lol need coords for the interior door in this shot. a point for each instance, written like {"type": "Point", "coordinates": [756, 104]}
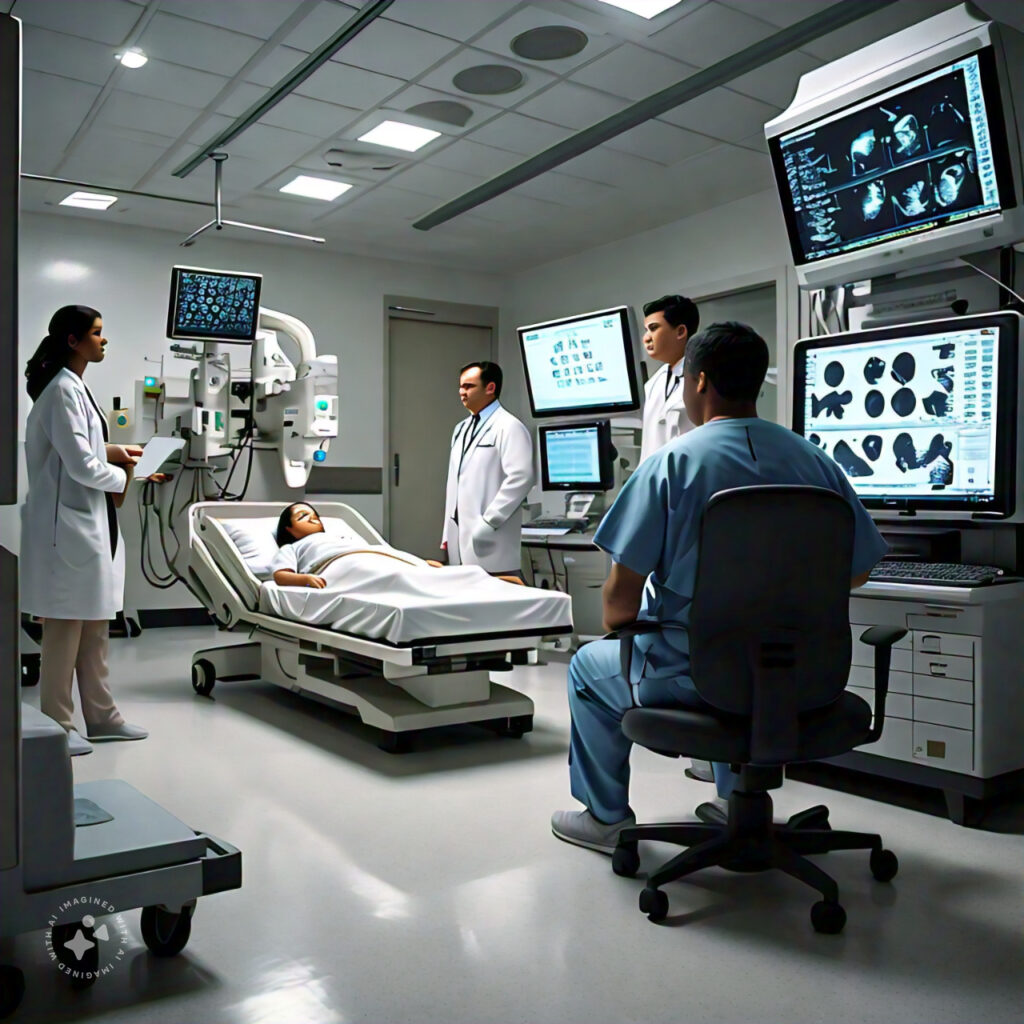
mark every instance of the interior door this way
{"type": "Point", "coordinates": [424, 363]}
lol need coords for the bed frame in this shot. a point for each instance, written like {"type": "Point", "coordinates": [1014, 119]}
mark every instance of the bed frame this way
{"type": "Point", "coordinates": [400, 689]}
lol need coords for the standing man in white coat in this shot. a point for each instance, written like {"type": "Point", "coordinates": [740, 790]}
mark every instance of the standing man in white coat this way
{"type": "Point", "coordinates": [669, 322]}
{"type": "Point", "coordinates": [72, 554]}
{"type": "Point", "coordinates": [490, 472]}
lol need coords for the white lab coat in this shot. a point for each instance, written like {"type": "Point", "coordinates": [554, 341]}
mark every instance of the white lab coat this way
{"type": "Point", "coordinates": [67, 571]}
{"type": "Point", "coordinates": [664, 418]}
{"type": "Point", "coordinates": [497, 473]}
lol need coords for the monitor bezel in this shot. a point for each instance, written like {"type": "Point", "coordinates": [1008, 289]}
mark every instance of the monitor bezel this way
{"type": "Point", "coordinates": [998, 133]}
{"type": "Point", "coordinates": [234, 339]}
{"type": "Point", "coordinates": [627, 334]}
{"type": "Point", "coordinates": [605, 457]}
{"type": "Point", "coordinates": [1004, 503]}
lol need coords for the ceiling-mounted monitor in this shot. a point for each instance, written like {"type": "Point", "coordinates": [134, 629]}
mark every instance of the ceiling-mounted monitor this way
{"type": "Point", "coordinates": [902, 153]}
{"type": "Point", "coordinates": [582, 365]}
{"type": "Point", "coordinates": [213, 305]}
{"type": "Point", "coordinates": [924, 419]}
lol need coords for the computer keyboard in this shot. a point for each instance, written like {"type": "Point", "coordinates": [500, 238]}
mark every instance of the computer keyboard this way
{"type": "Point", "coordinates": [937, 574]}
{"type": "Point", "coordinates": [557, 523]}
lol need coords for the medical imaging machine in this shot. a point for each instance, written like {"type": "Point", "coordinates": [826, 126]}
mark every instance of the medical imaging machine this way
{"type": "Point", "coordinates": [72, 855]}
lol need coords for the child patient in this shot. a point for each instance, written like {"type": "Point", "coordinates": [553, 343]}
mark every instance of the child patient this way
{"type": "Point", "coordinates": [306, 550]}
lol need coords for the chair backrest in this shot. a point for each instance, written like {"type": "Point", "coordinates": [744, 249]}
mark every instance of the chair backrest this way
{"type": "Point", "coordinates": [770, 624]}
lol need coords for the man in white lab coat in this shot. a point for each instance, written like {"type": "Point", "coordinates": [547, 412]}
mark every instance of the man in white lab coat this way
{"type": "Point", "coordinates": [490, 472]}
{"type": "Point", "coordinates": [669, 322]}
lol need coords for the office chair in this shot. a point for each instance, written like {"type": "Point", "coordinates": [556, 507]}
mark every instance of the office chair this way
{"type": "Point", "coordinates": [770, 650]}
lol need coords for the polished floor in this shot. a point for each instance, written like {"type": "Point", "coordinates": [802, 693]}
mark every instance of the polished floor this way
{"type": "Point", "coordinates": [427, 887]}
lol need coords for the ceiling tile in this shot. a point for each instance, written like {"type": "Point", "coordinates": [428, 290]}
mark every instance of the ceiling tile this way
{"type": "Point", "coordinates": [61, 105]}
{"type": "Point", "coordinates": [187, 86]}
{"type": "Point", "coordinates": [781, 13]}
{"type": "Point", "coordinates": [386, 201]}
{"type": "Point", "coordinates": [518, 210]}
{"type": "Point", "coordinates": [612, 168]}
{"type": "Point", "coordinates": [91, 159]}
{"type": "Point", "coordinates": [498, 40]}
{"type": "Point", "coordinates": [195, 45]}
{"type": "Point", "coordinates": [441, 77]}
{"type": "Point", "coordinates": [776, 82]}
{"type": "Point", "coordinates": [300, 114]}
{"type": "Point", "coordinates": [438, 182]}
{"type": "Point", "coordinates": [712, 33]}
{"type": "Point", "coordinates": [243, 95]}
{"type": "Point", "coordinates": [722, 114]}
{"type": "Point", "coordinates": [455, 19]}
{"type": "Point", "coordinates": [323, 21]}
{"type": "Point", "coordinates": [58, 54]}
{"type": "Point", "coordinates": [572, 106]}
{"type": "Point", "coordinates": [633, 72]}
{"type": "Point", "coordinates": [474, 158]}
{"type": "Point", "coordinates": [261, 18]}
{"type": "Point", "coordinates": [103, 21]}
{"type": "Point", "coordinates": [664, 143]}
{"type": "Point", "coordinates": [273, 146]}
{"type": "Point", "coordinates": [275, 65]}
{"type": "Point", "coordinates": [566, 191]}
{"type": "Point", "coordinates": [123, 110]}
{"type": "Point", "coordinates": [525, 135]}
{"type": "Point", "coordinates": [351, 87]}
{"type": "Point", "coordinates": [385, 46]}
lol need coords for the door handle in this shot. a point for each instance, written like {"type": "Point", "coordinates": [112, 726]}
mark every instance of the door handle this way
{"type": "Point", "coordinates": [396, 469]}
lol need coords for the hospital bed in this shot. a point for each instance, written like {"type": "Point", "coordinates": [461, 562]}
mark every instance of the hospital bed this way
{"type": "Point", "coordinates": [401, 663]}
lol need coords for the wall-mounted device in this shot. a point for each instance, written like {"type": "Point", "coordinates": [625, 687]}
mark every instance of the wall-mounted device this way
{"type": "Point", "coordinates": [577, 457]}
{"type": "Point", "coordinates": [582, 365]}
{"type": "Point", "coordinates": [213, 305]}
{"type": "Point", "coordinates": [923, 418]}
{"type": "Point", "coordinates": [903, 152]}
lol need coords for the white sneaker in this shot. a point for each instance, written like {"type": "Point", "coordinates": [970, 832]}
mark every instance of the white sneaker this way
{"type": "Point", "coordinates": [581, 828]}
{"type": "Point", "coordinates": [78, 744]}
{"type": "Point", "coordinates": [124, 731]}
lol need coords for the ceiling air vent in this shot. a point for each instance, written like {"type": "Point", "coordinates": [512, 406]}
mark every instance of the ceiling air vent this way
{"type": "Point", "coordinates": [351, 159]}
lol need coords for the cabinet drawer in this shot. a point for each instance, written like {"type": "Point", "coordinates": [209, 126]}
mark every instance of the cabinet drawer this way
{"type": "Point", "coordinates": [897, 705]}
{"type": "Point", "coordinates": [947, 619]}
{"type": "Point", "coordinates": [899, 682]}
{"type": "Point", "coordinates": [944, 712]}
{"type": "Point", "coordinates": [943, 747]}
{"type": "Point", "coordinates": [943, 643]}
{"type": "Point", "coordinates": [960, 690]}
{"type": "Point", "coordinates": [896, 740]}
{"type": "Point", "coordinates": [864, 654]}
{"type": "Point", "coordinates": [944, 666]}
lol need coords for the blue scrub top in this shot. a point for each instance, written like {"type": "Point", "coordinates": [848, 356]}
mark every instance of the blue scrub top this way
{"type": "Point", "coordinates": [653, 527]}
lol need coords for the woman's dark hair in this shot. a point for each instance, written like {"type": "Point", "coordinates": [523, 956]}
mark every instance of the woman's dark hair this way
{"type": "Point", "coordinates": [283, 535]}
{"type": "Point", "coordinates": [53, 352]}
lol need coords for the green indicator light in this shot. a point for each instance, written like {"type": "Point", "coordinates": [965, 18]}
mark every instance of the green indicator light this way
{"type": "Point", "coordinates": [322, 405]}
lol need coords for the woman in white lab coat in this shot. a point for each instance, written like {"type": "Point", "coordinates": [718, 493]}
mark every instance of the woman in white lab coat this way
{"type": "Point", "coordinates": [72, 555]}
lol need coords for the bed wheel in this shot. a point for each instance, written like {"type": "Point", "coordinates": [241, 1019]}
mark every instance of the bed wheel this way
{"type": "Point", "coordinates": [395, 742]}
{"type": "Point", "coordinates": [514, 727]}
{"type": "Point", "coordinates": [204, 676]}
{"type": "Point", "coordinates": [164, 932]}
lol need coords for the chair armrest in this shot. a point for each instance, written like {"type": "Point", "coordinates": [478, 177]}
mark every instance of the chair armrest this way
{"type": "Point", "coordinates": [624, 634]}
{"type": "Point", "coordinates": [881, 638]}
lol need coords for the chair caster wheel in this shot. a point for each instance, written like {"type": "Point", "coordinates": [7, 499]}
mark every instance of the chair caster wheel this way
{"type": "Point", "coordinates": [828, 918]}
{"type": "Point", "coordinates": [626, 860]}
{"type": "Point", "coordinates": [654, 903]}
{"type": "Point", "coordinates": [884, 865]}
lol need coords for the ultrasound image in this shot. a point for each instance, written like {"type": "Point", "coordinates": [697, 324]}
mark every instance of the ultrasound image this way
{"type": "Point", "coordinates": [874, 404]}
{"type": "Point", "coordinates": [816, 439]}
{"type": "Point", "coordinates": [873, 370]}
{"type": "Point", "coordinates": [904, 368]}
{"type": "Point", "coordinates": [851, 462]}
{"type": "Point", "coordinates": [936, 404]}
{"type": "Point", "coordinates": [834, 374]}
{"type": "Point", "coordinates": [872, 445]}
{"type": "Point", "coordinates": [832, 403]}
{"type": "Point", "coordinates": [904, 402]}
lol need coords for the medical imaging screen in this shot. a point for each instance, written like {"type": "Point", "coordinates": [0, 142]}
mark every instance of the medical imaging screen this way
{"type": "Point", "coordinates": [908, 416]}
{"type": "Point", "coordinates": [580, 364]}
{"type": "Point", "coordinates": [214, 305]}
{"type": "Point", "coordinates": [571, 456]}
{"type": "Point", "coordinates": [914, 159]}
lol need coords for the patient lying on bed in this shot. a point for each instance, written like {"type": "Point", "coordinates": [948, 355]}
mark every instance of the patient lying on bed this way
{"type": "Point", "coordinates": [310, 557]}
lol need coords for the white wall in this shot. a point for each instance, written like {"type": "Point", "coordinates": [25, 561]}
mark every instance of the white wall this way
{"type": "Point", "coordinates": [124, 272]}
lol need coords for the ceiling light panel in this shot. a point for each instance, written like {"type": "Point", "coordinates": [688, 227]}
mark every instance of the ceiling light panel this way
{"type": "Point", "coordinates": [315, 188]}
{"type": "Point", "coordinates": [132, 58]}
{"type": "Point", "coordinates": [89, 200]}
{"type": "Point", "coordinates": [396, 135]}
{"type": "Point", "coordinates": [645, 8]}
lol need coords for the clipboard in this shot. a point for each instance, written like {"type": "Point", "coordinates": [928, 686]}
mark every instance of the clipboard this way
{"type": "Point", "coordinates": [155, 453]}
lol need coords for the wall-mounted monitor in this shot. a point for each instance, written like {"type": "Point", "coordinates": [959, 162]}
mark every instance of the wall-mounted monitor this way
{"type": "Point", "coordinates": [583, 365]}
{"type": "Point", "coordinates": [923, 418]}
{"type": "Point", "coordinates": [577, 457]}
{"type": "Point", "coordinates": [902, 152]}
{"type": "Point", "coordinates": [213, 305]}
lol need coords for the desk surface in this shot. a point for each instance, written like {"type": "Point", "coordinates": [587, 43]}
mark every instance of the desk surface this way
{"type": "Point", "coordinates": [943, 595]}
{"type": "Point", "coordinates": [561, 541]}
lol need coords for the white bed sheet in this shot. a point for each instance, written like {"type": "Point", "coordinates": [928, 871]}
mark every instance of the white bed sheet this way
{"type": "Point", "coordinates": [373, 597]}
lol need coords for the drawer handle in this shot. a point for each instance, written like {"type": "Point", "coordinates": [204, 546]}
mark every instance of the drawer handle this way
{"type": "Point", "coordinates": [937, 668]}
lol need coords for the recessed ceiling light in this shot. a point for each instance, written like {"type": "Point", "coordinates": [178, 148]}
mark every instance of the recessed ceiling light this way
{"type": "Point", "coordinates": [645, 8]}
{"type": "Point", "coordinates": [315, 188]}
{"type": "Point", "coordinates": [397, 135]}
{"type": "Point", "coordinates": [88, 200]}
{"type": "Point", "coordinates": [131, 58]}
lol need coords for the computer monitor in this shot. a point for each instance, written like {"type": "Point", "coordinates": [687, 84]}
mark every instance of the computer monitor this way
{"type": "Point", "coordinates": [577, 457]}
{"type": "Point", "coordinates": [582, 365]}
{"type": "Point", "coordinates": [213, 305]}
{"type": "Point", "coordinates": [922, 418]}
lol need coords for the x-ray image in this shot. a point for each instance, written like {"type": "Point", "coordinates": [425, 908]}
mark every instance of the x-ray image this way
{"type": "Point", "coordinates": [865, 153]}
{"type": "Point", "coordinates": [907, 135]}
{"type": "Point", "coordinates": [936, 456]}
{"type": "Point", "coordinates": [873, 370]}
{"type": "Point", "coordinates": [936, 404]}
{"type": "Point", "coordinates": [822, 225]}
{"type": "Point", "coordinates": [832, 404]}
{"type": "Point", "coordinates": [913, 200]}
{"type": "Point", "coordinates": [872, 445]}
{"type": "Point", "coordinates": [944, 375]}
{"type": "Point", "coordinates": [834, 374]}
{"type": "Point", "coordinates": [873, 200]}
{"type": "Point", "coordinates": [955, 180]}
{"type": "Point", "coordinates": [946, 125]}
{"type": "Point", "coordinates": [851, 462]}
{"type": "Point", "coordinates": [903, 368]}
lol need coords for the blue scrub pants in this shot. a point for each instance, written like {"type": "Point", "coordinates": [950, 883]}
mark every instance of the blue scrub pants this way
{"type": "Point", "coordinates": [599, 751]}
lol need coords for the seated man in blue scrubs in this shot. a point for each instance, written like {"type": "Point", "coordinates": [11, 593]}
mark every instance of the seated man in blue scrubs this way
{"type": "Point", "coordinates": [652, 530]}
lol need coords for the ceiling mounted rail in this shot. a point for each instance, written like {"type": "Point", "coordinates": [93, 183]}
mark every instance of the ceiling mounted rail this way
{"type": "Point", "coordinates": [835, 17]}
